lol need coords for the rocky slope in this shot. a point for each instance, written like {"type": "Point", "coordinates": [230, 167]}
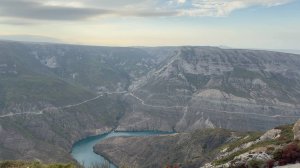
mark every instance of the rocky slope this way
{"type": "Point", "coordinates": [276, 147]}
{"type": "Point", "coordinates": [207, 87]}
{"type": "Point", "coordinates": [183, 149]}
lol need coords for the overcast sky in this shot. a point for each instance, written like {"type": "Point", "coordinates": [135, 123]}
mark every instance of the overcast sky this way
{"type": "Point", "coordinates": [272, 24]}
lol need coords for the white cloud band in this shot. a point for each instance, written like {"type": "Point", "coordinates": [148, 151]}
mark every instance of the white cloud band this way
{"type": "Point", "coordinates": [85, 9]}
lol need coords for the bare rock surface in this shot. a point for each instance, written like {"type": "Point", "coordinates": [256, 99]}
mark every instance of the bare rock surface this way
{"type": "Point", "coordinates": [296, 130]}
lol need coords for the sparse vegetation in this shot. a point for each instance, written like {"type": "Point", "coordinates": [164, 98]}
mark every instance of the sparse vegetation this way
{"type": "Point", "coordinates": [256, 164]}
{"type": "Point", "coordinates": [252, 136]}
{"type": "Point", "coordinates": [286, 135]}
{"type": "Point", "coordinates": [290, 153]}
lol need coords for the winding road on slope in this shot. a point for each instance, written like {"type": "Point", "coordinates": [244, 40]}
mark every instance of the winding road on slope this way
{"type": "Point", "coordinates": [143, 103]}
{"type": "Point", "coordinates": [63, 107]}
{"type": "Point", "coordinates": [155, 106]}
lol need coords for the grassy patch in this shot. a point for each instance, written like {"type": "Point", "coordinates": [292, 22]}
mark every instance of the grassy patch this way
{"type": "Point", "coordinates": [243, 140]}
{"type": "Point", "coordinates": [286, 135]}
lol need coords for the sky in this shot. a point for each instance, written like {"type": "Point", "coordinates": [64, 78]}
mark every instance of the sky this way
{"type": "Point", "coordinates": [269, 24]}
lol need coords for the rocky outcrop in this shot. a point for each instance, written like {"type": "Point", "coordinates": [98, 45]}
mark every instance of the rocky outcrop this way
{"type": "Point", "coordinates": [270, 135]}
{"type": "Point", "coordinates": [240, 160]}
{"type": "Point", "coordinates": [296, 130]}
{"type": "Point", "coordinates": [273, 148]}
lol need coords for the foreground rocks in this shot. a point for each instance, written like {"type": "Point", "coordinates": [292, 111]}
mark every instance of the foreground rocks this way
{"type": "Point", "coordinates": [296, 130]}
{"type": "Point", "coordinates": [276, 147]}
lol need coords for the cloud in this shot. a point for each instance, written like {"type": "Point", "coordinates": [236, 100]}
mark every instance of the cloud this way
{"type": "Point", "coordinates": [85, 9]}
{"type": "Point", "coordinates": [225, 7]}
{"type": "Point", "coordinates": [60, 10]}
{"type": "Point", "coordinates": [35, 10]}
{"type": "Point", "coordinates": [16, 22]}
{"type": "Point", "coordinates": [181, 1]}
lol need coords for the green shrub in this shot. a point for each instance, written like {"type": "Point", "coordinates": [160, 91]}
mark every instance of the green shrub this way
{"type": "Point", "coordinates": [256, 163]}
{"type": "Point", "coordinates": [289, 154]}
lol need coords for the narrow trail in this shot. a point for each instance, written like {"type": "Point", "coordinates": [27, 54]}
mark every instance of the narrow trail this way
{"type": "Point", "coordinates": [89, 100]}
{"type": "Point", "coordinates": [60, 108]}
{"type": "Point", "coordinates": [24, 113]}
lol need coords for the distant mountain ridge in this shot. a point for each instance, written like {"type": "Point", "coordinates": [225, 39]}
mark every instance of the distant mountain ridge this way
{"type": "Point", "coordinates": [30, 38]}
{"type": "Point", "coordinates": [288, 51]}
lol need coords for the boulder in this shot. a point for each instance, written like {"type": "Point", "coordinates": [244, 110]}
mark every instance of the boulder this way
{"type": "Point", "coordinates": [270, 135]}
{"type": "Point", "coordinates": [296, 130]}
{"type": "Point", "coordinates": [244, 159]}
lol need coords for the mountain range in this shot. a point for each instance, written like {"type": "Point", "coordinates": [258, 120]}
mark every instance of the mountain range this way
{"type": "Point", "coordinates": [52, 95]}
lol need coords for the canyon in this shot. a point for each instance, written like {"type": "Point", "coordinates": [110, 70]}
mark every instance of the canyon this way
{"type": "Point", "coordinates": [52, 95]}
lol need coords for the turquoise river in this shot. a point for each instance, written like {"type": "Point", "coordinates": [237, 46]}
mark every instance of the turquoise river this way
{"type": "Point", "coordinates": [82, 151]}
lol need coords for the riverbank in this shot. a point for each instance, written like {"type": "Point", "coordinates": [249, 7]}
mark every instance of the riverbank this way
{"type": "Point", "coordinates": [83, 150]}
{"type": "Point", "coordinates": [190, 149]}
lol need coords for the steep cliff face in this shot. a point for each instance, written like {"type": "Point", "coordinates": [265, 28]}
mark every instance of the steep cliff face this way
{"type": "Point", "coordinates": [211, 87]}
